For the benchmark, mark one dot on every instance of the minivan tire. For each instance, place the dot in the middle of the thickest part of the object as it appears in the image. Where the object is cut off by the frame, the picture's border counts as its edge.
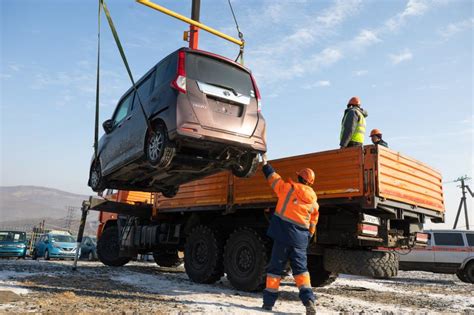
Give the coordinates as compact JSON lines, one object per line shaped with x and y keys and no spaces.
{"x":95,"y":177}
{"x":246,"y":166}
{"x":468,"y":272}
{"x":170,"y":192}
{"x":46,"y":255}
{"x":158,"y":150}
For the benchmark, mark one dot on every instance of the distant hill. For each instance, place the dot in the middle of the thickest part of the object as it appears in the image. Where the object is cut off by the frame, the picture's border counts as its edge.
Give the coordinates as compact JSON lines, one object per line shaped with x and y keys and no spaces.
{"x":31,"y":202}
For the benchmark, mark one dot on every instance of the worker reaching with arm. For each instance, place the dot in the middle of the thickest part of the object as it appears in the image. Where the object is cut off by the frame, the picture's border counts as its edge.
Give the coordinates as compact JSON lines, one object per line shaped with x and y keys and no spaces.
{"x":292,"y":226}
{"x":353,"y":124}
{"x":376,"y":136}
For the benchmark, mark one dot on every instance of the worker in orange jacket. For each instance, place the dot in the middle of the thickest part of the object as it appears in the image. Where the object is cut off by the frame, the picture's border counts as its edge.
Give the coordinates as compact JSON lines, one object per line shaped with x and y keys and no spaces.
{"x":292,"y":226}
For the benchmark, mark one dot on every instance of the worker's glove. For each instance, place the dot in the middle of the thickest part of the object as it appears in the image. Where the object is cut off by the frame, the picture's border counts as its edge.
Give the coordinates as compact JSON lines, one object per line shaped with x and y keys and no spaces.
{"x":264,"y":159}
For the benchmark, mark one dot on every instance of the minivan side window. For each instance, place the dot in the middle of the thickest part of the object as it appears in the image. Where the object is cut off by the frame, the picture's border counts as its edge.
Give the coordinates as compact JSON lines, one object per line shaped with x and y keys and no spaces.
{"x":144,"y":90}
{"x":470,"y":239}
{"x":122,"y":109}
{"x":448,"y":239}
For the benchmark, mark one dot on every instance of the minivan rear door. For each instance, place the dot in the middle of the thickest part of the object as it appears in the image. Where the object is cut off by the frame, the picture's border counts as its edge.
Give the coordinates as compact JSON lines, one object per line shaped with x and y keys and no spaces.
{"x":222,"y":94}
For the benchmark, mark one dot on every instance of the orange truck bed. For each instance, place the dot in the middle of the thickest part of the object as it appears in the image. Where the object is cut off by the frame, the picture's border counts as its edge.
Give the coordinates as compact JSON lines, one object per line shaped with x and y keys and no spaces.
{"x":372,"y":177}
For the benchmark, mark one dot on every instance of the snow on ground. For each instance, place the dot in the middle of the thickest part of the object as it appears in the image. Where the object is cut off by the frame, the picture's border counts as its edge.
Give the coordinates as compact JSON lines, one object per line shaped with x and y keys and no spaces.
{"x":146,"y":288}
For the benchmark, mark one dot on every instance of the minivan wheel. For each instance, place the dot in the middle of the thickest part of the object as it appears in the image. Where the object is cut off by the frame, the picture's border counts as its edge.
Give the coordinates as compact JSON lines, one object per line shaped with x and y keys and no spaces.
{"x":246,"y":166}
{"x":46,"y":255}
{"x":95,"y":179}
{"x":158,"y":150}
{"x":170,"y":192}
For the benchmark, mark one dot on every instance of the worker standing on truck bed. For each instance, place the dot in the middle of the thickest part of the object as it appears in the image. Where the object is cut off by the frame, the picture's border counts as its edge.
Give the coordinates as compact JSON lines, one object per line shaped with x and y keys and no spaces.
{"x":292,"y":226}
{"x":353,"y":124}
{"x":376,"y":136}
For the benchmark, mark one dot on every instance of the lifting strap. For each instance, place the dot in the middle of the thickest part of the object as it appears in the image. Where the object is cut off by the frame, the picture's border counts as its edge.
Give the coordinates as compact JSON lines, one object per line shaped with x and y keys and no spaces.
{"x":241,"y":36}
{"x":124,"y":59}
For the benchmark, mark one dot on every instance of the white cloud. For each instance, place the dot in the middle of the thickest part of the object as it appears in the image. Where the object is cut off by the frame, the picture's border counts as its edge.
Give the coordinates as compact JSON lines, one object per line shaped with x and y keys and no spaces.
{"x":360,"y":73}
{"x":455,"y":28}
{"x":364,"y":39}
{"x":405,"y":55}
{"x":413,"y":8}
{"x":338,"y":13}
{"x":317,"y":84}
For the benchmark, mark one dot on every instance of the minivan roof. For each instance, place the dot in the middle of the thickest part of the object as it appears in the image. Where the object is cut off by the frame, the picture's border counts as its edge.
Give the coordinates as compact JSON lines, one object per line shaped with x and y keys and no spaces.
{"x":210,"y":54}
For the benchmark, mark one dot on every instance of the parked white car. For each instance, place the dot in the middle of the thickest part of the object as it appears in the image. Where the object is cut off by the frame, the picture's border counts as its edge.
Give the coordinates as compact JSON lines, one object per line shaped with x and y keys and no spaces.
{"x":448,"y":251}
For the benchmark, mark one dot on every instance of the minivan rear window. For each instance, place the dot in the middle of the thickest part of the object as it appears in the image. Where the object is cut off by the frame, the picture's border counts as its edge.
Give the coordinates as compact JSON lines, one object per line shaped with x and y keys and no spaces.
{"x":470,"y":239}
{"x":220,"y":73}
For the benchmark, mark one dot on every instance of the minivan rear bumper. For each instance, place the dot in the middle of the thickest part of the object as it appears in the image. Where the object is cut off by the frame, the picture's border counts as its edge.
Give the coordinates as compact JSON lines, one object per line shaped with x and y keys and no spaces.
{"x":196,"y":131}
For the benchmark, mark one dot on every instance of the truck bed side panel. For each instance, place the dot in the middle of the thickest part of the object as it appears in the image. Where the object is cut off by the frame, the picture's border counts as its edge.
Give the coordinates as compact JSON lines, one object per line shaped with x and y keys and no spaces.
{"x":209,"y":191}
{"x":338,"y":174}
{"x":406,"y":180}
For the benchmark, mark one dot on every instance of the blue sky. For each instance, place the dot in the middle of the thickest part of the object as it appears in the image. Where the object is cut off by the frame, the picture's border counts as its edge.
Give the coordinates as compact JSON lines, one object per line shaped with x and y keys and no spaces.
{"x":410,"y":61}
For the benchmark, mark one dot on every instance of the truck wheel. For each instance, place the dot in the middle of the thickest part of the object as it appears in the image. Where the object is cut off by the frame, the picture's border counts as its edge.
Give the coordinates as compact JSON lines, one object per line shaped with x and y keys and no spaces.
{"x":203,"y":253}
{"x":170,"y":192}
{"x":245,"y":259}
{"x":380,"y":265}
{"x":167,"y":258}
{"x":320,"y":277}
{"x":108,"y":248}
{"x":246,"y":166}
{"x":158,"y":150}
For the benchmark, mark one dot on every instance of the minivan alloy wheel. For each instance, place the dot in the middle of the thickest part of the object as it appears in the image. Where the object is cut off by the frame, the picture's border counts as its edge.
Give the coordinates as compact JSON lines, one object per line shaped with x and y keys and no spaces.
{"x":155,"y":147}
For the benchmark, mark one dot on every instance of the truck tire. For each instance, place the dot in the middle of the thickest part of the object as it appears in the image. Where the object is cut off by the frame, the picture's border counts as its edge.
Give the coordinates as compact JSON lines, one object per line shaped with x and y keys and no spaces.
{"x":245,"y":259}
{"x":203,"y":255}
{"x":167,"y":258}
{"x":380,"y":265}
{"x":319,"y":276}
{"x":108,"y":248}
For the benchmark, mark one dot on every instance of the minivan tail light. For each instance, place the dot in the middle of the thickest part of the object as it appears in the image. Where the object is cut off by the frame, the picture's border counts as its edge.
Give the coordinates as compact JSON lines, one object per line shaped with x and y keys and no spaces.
{"x":179,"y":83}
{"x":257,"y":94}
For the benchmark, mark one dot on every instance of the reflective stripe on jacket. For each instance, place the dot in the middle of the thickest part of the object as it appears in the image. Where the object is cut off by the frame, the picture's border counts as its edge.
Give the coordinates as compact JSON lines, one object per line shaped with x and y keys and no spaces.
{"x":297,"y":203}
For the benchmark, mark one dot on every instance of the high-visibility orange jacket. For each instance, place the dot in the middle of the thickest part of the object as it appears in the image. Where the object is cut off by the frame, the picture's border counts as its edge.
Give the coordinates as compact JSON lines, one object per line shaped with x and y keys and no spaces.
{"x":297,"y":203}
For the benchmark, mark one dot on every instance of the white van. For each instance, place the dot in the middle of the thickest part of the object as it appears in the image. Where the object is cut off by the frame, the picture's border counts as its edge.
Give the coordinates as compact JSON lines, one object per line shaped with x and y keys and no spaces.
{"x":448,"y":251}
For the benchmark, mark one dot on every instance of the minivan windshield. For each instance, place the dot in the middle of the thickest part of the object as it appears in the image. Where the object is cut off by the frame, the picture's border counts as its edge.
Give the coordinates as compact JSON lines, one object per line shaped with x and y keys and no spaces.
{"x":63,"y":238}
{"x":219,"y":73}
{"x":9,"y":236}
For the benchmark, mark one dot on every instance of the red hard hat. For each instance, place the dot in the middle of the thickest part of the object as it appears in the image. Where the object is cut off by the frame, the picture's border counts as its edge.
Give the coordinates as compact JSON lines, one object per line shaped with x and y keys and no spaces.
{"x":375,"y":132}
{"x":354,"y":101}
{"x":307,"y":174}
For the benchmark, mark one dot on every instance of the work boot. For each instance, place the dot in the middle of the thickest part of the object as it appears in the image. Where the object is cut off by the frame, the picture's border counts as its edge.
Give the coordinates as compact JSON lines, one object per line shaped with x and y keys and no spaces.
{"x":310,"y":309}
{"x":267,"y":307}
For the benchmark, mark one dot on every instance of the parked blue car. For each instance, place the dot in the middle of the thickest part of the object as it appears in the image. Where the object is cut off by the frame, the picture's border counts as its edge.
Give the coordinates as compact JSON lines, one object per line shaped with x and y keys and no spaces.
{"x":12,"y":244}
{"x":53,"y":245}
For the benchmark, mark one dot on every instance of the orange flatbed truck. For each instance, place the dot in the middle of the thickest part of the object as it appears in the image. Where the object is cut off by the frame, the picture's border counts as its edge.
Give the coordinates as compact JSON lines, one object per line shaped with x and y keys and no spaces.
{"x":370,"y":198}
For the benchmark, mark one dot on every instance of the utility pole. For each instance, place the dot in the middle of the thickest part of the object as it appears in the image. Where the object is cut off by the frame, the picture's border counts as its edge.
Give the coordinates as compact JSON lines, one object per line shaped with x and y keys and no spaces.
{"x":69,"y":217}
{"x":194,"y":30}
{"x":462,"y":203}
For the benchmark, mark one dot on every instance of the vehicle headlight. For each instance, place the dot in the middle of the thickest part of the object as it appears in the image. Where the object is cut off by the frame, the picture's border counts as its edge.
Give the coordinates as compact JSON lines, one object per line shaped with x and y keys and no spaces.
{"x":21,"y":246}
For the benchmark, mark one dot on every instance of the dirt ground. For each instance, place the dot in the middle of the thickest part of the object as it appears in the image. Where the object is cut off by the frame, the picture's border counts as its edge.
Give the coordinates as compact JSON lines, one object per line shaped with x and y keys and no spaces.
{"x":52,"y":287}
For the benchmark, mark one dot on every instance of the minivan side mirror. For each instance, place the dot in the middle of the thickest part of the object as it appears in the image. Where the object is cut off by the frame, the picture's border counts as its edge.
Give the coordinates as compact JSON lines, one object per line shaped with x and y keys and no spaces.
{"x":108,"y":125}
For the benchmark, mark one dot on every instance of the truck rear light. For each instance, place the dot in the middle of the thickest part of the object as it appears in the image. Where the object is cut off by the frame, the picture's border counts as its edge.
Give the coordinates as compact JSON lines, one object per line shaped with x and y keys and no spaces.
{"x":179,"y":83}
{"x":257,"y":94}
{"x":422,"y":237}
{"x":368,"y":229}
